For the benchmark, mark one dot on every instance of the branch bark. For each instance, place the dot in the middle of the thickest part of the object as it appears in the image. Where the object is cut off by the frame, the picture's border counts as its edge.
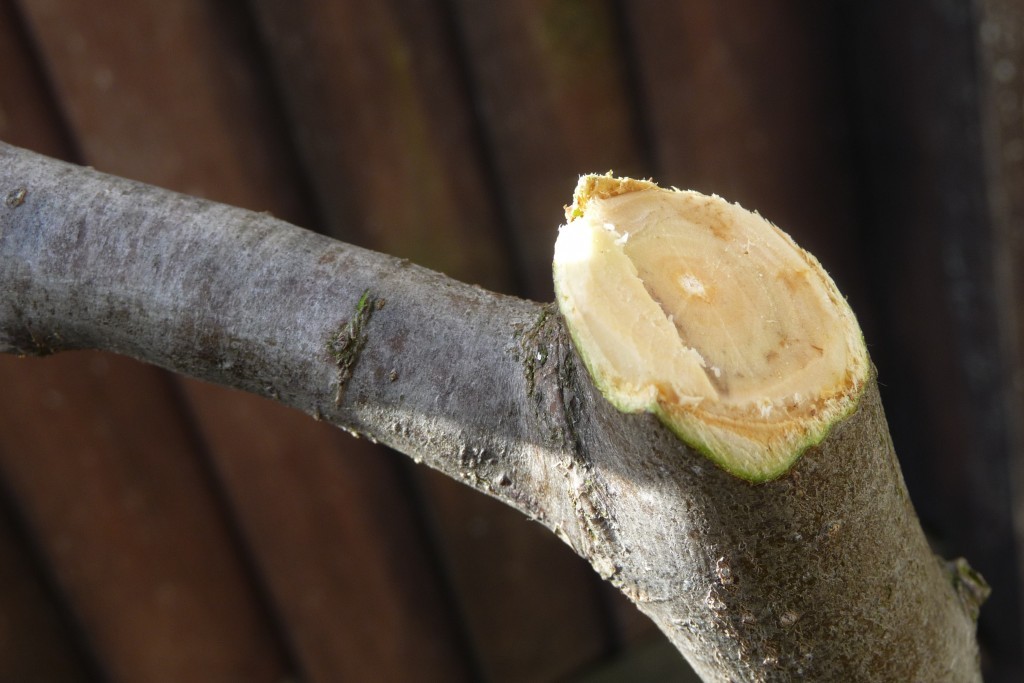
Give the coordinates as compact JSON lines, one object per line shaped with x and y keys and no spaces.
{"x":822,"y":574}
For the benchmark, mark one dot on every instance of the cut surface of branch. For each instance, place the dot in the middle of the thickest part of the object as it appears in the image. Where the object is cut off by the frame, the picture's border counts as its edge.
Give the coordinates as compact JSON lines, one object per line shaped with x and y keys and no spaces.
{"x":709,"y":316}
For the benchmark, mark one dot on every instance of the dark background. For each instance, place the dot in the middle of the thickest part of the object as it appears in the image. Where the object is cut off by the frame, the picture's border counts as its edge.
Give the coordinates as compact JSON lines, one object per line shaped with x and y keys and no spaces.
{"x":153,"y":528}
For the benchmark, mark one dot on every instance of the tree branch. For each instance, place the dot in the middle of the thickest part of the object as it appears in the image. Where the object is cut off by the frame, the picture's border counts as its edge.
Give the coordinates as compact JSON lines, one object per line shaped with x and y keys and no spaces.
{"x":246,"y":300}
{"x":823,"y":573}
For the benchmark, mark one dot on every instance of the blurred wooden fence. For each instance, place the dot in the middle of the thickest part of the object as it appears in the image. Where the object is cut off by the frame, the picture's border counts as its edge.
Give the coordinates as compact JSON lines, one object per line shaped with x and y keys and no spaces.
{"x":153,"y":528}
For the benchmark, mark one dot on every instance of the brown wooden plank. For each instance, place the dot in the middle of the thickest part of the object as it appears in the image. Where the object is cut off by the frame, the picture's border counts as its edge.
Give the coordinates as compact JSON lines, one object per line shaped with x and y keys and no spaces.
{"x":744,"y":100}
{"x":336,"y":539}
{"x":28,"y":117}
{"x":552,"y":88}
{"x":375,"y":90}
{"x":163,"y":90}
{"x":119,"y":653}
{"x":1000,"y":38}
{"x":532,"y":606}
{"x":201,"y":102}
{"x":931,"y":227}
{"x":97,"y":456}
{"x":29,"y":120}
{"x":385,"y":131}
{"x":37,"y":641}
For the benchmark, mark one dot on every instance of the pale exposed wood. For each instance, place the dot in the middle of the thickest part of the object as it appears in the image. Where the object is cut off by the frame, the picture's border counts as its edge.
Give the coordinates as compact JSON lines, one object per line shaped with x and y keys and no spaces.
{"x":710,"y":317}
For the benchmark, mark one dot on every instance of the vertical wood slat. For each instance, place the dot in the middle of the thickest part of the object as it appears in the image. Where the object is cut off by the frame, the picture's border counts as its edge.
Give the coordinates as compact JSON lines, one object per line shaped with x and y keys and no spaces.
{"x":98,"y":459}
{"x":337,"y":540}
{"x":128,"y":74}
{"x":202,"y":581}
{"x":28,"y":116}
{"x":118,"y":592}
{"x":385,"y":132}
{"x":184,"y":109}
{"x":553,"y":93}
{"x":37,"y":639}
{"x":999,"y":35}
{"x":388,"y":133}
{"x":744,"y":101}
{"x":928,"y":218}
{"x":552,"y":85}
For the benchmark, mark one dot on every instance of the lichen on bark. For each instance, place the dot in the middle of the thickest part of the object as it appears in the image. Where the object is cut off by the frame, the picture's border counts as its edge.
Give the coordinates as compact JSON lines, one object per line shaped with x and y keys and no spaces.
{"x":348,"y":342}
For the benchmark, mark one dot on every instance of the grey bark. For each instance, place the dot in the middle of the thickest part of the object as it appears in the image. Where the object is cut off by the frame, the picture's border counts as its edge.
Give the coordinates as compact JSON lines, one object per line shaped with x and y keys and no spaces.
{"x":823,"y":574}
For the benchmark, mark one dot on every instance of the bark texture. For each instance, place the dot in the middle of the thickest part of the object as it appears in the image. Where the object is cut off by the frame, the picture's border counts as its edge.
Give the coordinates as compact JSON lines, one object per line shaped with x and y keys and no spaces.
{"x":823,"y":574}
